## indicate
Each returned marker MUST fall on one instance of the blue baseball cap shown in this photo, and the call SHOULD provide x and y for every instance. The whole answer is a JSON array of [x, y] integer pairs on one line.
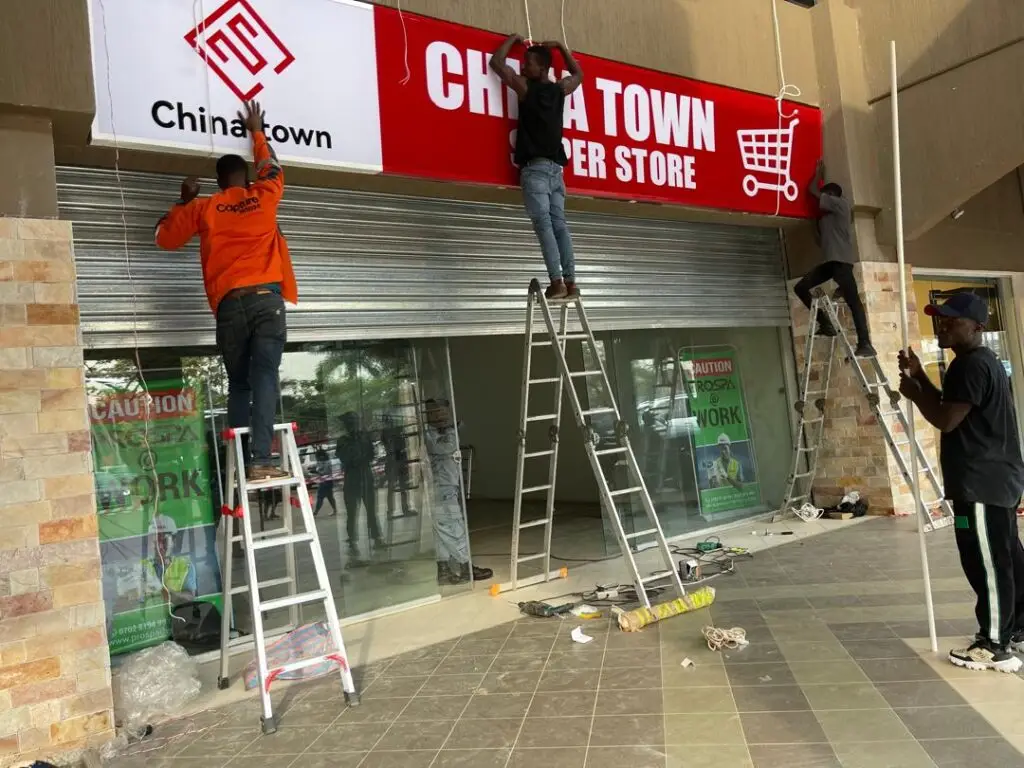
[[966, 304]]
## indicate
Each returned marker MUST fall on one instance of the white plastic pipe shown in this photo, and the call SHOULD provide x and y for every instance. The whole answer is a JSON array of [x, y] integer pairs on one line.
[[915, 486]]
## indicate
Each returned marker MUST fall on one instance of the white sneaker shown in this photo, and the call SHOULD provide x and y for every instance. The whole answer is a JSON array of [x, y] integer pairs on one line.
[[982, 655]]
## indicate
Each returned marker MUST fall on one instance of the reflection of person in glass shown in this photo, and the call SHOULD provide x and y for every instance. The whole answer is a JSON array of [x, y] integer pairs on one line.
[[449, 523], [355, 451], [167, 576], [396, 465], [325, 487], [726, 470]]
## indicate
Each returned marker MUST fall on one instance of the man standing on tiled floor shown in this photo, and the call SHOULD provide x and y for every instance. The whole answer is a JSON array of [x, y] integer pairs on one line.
[[982, 472]]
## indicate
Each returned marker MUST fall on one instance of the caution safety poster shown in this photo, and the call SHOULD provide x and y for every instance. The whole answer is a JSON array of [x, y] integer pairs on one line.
[[723, 449], [154, 499]]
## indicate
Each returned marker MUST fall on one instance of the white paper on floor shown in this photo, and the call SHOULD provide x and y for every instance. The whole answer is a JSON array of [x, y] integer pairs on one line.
[[578, 636]]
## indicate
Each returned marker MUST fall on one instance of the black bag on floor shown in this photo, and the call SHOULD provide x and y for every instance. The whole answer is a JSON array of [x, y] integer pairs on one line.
[[196, 626]]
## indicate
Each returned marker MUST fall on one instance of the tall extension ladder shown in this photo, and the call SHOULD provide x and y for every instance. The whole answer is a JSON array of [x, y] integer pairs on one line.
[[563, 383], [884, 402], [274, 539]]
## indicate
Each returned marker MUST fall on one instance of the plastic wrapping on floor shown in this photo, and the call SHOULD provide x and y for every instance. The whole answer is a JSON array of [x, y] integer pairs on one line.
[[154, 685], [306, 642]]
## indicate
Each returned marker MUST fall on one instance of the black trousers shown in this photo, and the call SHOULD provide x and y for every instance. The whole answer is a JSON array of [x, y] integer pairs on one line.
[[993, 561], [360, 487], [842, 273]]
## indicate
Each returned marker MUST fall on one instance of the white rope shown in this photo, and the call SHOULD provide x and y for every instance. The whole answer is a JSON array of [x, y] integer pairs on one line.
[[405, 46], [786, 91], [206, 60], [529, 29], [730, 639], [564, 38]]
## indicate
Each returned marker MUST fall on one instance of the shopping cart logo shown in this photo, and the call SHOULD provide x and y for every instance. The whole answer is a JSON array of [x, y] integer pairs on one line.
[[767, 157], [236, 43]]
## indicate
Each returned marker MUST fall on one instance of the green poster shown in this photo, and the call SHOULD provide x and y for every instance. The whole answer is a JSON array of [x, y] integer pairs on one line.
[[723, 449], [156, 518]]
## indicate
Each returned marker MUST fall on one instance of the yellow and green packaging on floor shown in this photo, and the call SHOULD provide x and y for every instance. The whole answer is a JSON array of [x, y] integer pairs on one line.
[[637, 619]]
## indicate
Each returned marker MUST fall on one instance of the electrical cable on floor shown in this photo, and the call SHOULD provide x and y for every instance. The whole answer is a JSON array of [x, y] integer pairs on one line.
[[730, 639]]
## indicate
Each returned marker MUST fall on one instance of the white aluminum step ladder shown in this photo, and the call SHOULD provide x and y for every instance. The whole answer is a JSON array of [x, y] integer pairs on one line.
[[556, 339], [885, 403], [276, 539]]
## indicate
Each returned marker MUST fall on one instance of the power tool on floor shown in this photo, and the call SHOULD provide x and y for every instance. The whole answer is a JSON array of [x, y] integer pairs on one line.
[[544, 610]]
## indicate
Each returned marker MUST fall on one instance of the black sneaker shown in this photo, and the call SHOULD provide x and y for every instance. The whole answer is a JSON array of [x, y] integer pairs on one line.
[[982, 655], [864, 349]]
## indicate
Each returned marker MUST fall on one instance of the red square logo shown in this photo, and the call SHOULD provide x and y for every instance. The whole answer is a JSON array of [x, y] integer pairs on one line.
[[237, 44]]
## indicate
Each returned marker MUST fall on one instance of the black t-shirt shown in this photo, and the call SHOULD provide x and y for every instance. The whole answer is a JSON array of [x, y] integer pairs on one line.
[[540, 124], [981, 460]]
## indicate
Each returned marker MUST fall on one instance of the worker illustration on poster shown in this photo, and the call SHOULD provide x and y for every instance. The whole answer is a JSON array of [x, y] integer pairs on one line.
[[156, 523], [723, 450]]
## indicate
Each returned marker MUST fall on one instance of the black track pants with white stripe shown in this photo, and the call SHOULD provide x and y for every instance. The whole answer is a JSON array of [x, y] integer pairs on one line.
[[993, 561]]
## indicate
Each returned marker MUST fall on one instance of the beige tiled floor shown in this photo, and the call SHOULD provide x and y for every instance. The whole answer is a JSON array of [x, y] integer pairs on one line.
[[838, 673]]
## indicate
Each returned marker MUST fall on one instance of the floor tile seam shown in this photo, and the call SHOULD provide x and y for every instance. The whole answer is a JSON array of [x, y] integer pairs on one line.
[[490, 666], [390, 725], [600, 676]]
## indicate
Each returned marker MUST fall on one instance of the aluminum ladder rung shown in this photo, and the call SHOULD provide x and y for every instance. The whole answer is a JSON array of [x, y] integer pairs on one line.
[[556, 319], [626, 491], [542, 417], [534, 523], [280, 541], [277, 482], [263, 585], [536, 488], [657, 576], [551, 380], [530, 558], [317, 595], [284, 537]]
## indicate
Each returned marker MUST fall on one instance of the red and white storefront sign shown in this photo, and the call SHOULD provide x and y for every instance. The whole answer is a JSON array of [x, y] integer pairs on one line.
[[332, 76]]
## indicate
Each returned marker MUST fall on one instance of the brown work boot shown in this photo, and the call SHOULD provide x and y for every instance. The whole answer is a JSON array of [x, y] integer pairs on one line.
[[570, 289], [258, 473], [556, 290]]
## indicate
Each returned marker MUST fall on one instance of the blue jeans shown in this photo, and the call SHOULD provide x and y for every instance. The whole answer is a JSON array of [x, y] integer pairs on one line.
[[251, 332], [544, 196]]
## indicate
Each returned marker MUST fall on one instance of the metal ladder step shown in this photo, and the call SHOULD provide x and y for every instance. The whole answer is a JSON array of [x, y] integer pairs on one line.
[[555, 316], [317, 595], [253, 542]]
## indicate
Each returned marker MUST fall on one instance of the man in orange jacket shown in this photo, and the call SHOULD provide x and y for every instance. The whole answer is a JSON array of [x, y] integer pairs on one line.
[[248, 276]]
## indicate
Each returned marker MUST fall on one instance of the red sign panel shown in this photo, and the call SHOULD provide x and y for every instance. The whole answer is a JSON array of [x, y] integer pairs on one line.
[[629, 132]]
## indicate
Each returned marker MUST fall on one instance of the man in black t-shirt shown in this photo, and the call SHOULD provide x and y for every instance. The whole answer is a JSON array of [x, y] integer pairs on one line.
[[982, 472], [540, 154]]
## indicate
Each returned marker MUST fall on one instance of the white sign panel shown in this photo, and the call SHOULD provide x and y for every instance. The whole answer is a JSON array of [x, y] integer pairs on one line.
[[172, 74]]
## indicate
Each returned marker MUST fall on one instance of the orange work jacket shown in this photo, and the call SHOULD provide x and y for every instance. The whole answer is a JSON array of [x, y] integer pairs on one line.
[[239, 240]]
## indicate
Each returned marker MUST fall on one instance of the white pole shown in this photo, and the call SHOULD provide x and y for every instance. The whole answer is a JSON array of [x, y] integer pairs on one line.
[[919, 509]]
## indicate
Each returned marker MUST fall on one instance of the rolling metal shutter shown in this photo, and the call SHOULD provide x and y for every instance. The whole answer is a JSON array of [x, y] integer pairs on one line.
[[373, 266]]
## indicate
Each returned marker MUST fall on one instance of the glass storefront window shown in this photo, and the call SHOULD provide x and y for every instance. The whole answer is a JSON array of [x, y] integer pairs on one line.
[[379, 446], [708, 418], [938, 288]]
